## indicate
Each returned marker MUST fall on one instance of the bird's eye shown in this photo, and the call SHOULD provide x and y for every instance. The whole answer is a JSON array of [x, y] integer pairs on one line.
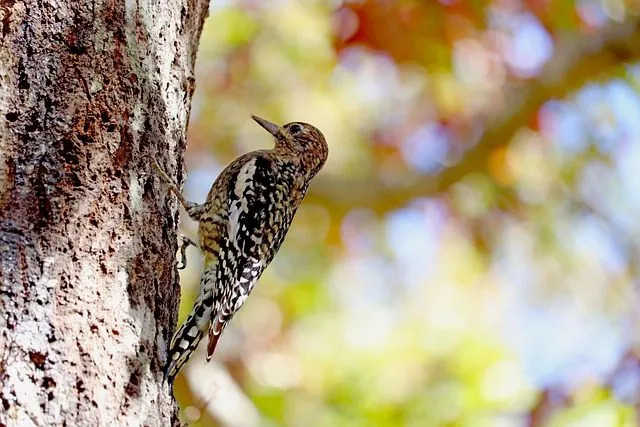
[[295, 128]]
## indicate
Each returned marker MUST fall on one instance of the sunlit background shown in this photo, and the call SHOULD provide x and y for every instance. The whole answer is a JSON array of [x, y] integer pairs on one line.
[[469, 254]]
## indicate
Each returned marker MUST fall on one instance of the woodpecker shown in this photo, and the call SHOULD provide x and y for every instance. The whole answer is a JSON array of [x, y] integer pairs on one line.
[[242, 225]]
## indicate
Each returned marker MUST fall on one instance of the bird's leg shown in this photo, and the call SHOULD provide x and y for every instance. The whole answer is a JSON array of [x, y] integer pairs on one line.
[[186, 242], [190, 207]]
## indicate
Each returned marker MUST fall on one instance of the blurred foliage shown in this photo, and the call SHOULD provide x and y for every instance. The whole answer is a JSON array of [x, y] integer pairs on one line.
[[469, 254]]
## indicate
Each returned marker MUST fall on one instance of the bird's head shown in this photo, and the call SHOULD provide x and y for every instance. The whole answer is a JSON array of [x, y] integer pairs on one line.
[[303, 140]]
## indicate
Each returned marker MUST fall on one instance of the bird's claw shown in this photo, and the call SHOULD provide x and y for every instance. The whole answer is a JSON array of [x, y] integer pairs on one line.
[[186, 242]]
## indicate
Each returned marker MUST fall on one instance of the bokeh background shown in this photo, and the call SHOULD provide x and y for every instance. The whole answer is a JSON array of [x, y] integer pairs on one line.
[[469, 254]]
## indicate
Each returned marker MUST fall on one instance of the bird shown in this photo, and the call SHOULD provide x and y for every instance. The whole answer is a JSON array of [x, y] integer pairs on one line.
[[242, 225]]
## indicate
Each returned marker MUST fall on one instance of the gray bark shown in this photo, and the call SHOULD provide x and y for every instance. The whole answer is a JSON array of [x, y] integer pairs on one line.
[[88, 284]]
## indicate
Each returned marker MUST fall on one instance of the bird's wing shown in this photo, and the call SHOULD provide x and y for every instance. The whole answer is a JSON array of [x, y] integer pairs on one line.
[[256, 219], [255, 208]]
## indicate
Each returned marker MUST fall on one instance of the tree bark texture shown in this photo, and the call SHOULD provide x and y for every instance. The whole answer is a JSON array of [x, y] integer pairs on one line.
[[88, 284]]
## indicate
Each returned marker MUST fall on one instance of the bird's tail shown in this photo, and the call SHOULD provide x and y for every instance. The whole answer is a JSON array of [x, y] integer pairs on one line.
[[215, 331], [188, 336]]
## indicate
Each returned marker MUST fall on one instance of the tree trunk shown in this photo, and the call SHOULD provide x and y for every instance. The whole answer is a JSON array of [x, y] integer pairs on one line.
[[88, 284]]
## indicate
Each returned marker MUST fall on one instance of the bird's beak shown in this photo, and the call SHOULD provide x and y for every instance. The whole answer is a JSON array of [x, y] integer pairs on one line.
[[272, 128]]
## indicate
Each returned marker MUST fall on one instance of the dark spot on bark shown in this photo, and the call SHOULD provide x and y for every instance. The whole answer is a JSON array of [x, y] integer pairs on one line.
[[5, 403], [38, 359], [80, 385], [85, 138], [145, 242], [115, 332], [67, 144], [94, 403], [93, 328], [10, 178], [104, 116], [50, 396], [125, 133], [133, 297], [148, 187], [12, 117], [119, 40], [165, 233], [192, 85], [126, 213], [133, 387], [45, 211], [87, 124], [122, 154], [69, 151], [7, 292], [48, 382], [49, 104], [112, 127], [23, 83], [32, 126], [103, 268], [74, 45], [75, 179], [147, 124]]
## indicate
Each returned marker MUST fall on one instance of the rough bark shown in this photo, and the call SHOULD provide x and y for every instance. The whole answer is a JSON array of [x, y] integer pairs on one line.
[[88, 284]]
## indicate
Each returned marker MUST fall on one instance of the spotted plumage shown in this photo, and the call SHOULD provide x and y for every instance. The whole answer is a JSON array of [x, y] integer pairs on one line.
[[242, 225]]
